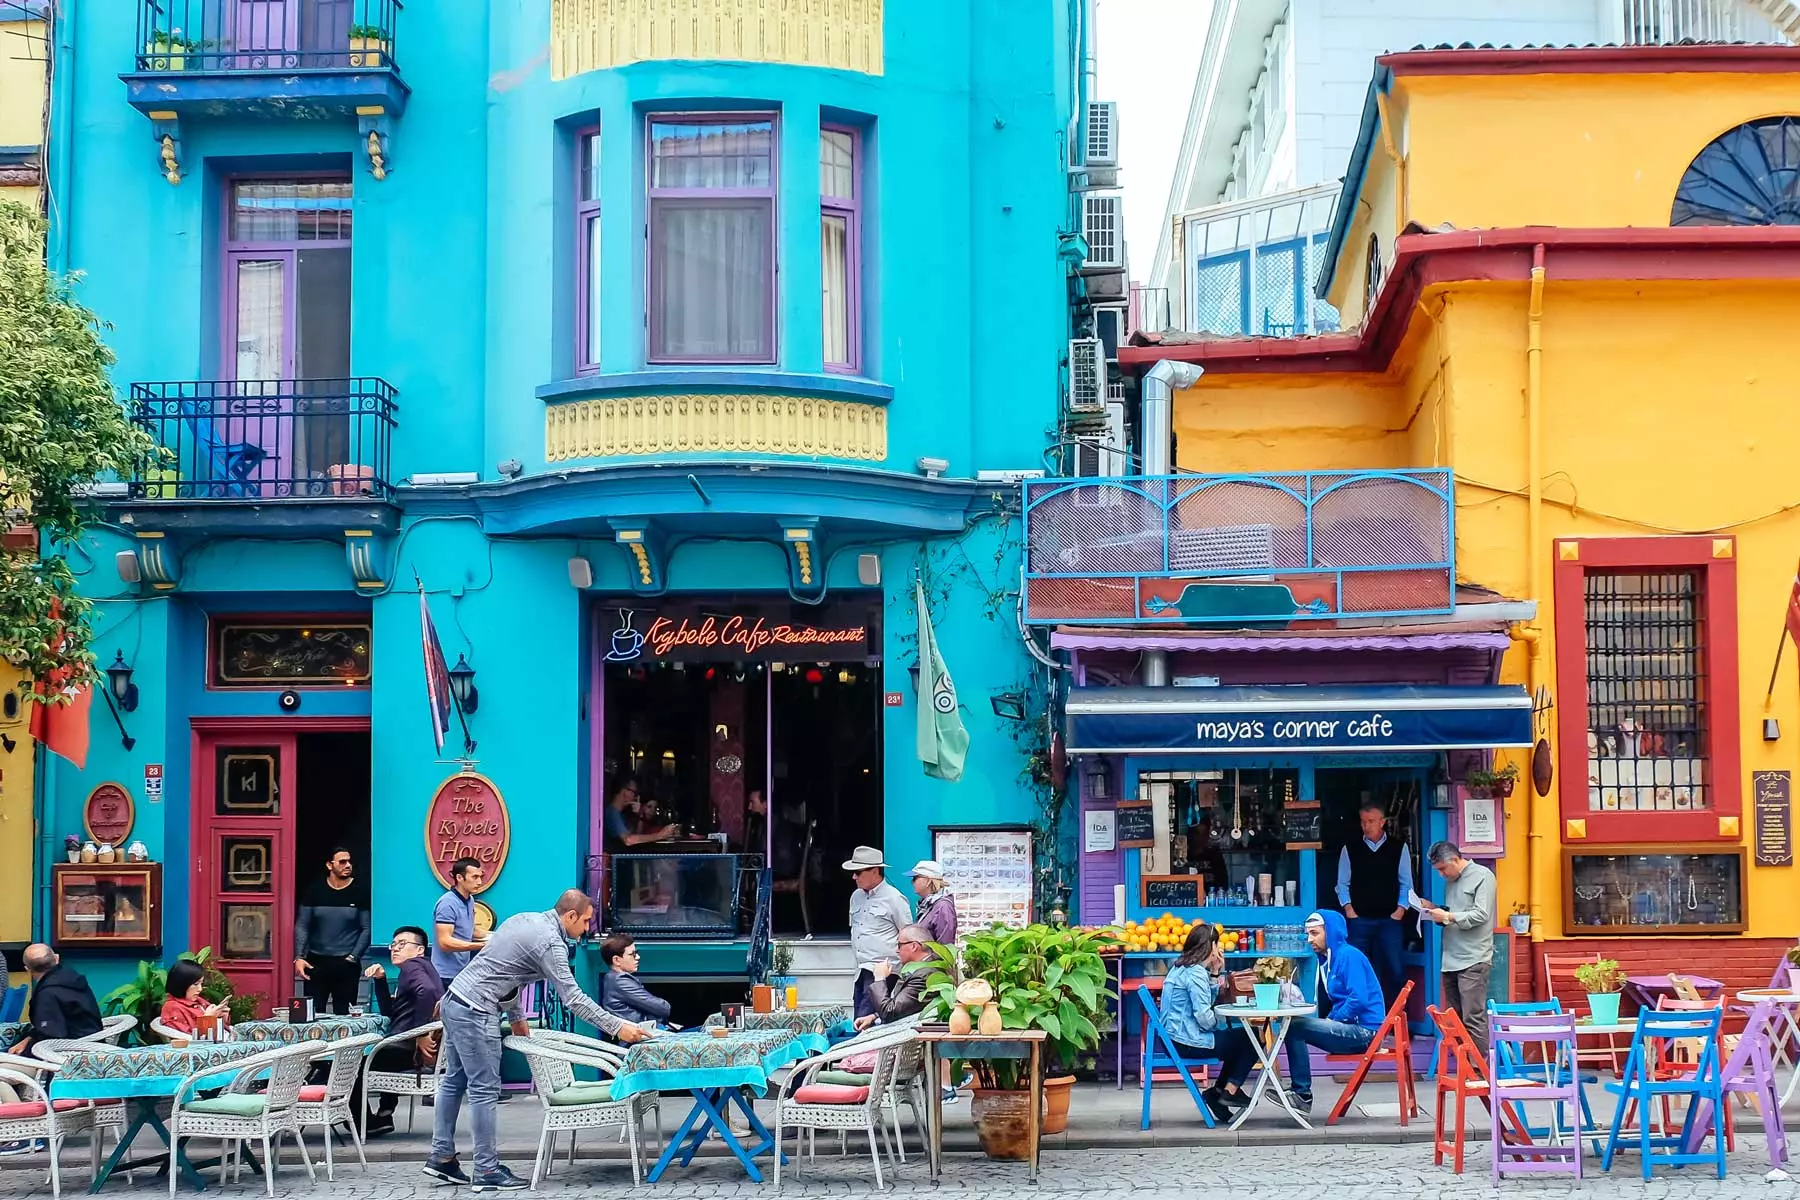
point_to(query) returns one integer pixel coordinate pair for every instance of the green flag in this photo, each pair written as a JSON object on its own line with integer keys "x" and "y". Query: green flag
{"x": 943, "y": 742}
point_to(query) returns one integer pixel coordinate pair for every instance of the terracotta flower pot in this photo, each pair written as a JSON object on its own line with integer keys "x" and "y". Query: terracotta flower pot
{"x": 1003, "y": 1123}
{"x": 1056, "y": 1103}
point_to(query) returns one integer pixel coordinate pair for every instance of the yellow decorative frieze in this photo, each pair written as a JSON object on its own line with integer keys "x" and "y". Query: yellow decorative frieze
{"x": 589, "y": 35}
{"x": 705, "y": 424}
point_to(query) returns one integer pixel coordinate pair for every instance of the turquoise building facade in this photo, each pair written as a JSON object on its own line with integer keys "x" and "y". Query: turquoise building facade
{"x": 561, "y": 315}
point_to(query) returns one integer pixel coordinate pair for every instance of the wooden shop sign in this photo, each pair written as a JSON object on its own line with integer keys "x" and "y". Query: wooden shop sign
{"x": 1773, "y": 791}
{"x": 467, "y": 819}
{"x": 109, "y": 814}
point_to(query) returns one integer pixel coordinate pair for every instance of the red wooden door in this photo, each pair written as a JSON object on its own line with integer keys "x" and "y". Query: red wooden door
{"x": 243, "y": 893}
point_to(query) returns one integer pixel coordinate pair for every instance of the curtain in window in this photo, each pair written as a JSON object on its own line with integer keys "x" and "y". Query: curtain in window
{"x": 834, "y": 256}
{"x": 713, "y": 282}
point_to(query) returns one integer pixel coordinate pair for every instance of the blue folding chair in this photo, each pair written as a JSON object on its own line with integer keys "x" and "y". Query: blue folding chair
{"x": 1704, "y": 1088}
{"x": 1161, "y": 1053}
{"x": 1512, "y": 1059}
{"x": 224, "y": 469}
{"x": 12, "y": 1003}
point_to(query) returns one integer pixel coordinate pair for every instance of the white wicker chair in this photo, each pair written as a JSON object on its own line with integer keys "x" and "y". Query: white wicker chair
{"x": 582, "y": 1104}
{"x": 238, "y": 1115}
{"x": 112, "y": 1029}
{"x": 36, "y": 1118}
{"x": 863, "y": 1113}
{"x": 409, "y": 1084}
{"x": 649, "y": 1103}
{"x": 110, "y": 1116}
{"x": 327, "y": 1105}
{"x": 908, "y": 1085}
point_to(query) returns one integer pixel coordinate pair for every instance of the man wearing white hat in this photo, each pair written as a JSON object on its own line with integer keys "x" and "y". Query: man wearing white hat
{"x": 877, "y": 914}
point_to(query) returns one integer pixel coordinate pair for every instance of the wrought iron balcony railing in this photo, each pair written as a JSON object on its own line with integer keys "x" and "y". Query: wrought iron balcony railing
{"x": 267, "y": 35}
{"x": 1240, "y": 550}
{"x": 266, "y": 439}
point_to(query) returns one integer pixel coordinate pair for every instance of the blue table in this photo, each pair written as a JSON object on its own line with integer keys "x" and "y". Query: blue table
{"x": 714, "y": 1071}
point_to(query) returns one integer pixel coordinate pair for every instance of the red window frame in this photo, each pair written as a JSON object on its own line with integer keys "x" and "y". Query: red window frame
{"x": 1714, "y": 559}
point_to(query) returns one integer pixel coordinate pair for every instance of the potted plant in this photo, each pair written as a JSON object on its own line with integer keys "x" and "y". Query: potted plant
{"x": 370, "y": 46}
{"x": 1271, "y": 972}
{"x": 1493, "y": 783}
{"x": 1602, "y": 980}
{"x": 1793, "y": 968}
{"x": 72, "y": 848}
{"x": 781, "y": 970}
{"x": 1046, "y": 978}
{"x": 166, "y": 50}
{"x": 142, "y": 996}
{"x": 1521, "y": 919}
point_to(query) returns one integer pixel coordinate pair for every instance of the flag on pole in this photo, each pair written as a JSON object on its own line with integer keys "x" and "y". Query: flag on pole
{"x": 943, "y": 742}
{"x": 62, "y": 728}
{"x": 437, "y": 675}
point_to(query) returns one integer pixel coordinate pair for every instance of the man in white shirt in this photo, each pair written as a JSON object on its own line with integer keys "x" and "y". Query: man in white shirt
{"x": 878, "y": 912}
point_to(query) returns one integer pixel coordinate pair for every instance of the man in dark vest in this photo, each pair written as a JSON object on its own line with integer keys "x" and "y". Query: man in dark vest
{"x": 1374, "y": 879}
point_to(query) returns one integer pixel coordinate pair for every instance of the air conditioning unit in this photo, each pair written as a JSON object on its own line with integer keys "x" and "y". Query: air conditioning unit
{"x": 1087, "y": 376}
{"x": 1103, "y": 225}
{"x": 1102, "y": 148}
{"x": 1109, "y": 327}
{"x": 1103, "y": 454}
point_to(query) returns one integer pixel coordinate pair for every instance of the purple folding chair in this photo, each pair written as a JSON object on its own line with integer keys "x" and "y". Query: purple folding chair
{"x": 1751, "y": 1070}
{"x": 1557, "y": 1079}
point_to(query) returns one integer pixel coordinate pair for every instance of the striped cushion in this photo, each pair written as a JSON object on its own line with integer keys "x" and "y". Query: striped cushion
{"x": 25, "y": 1110}
{"x": 831, "y": 1093}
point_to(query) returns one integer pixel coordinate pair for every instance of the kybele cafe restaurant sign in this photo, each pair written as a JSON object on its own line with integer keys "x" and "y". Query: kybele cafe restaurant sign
{"x": 1294, "y": 719}
{"x": 836, "y": 631}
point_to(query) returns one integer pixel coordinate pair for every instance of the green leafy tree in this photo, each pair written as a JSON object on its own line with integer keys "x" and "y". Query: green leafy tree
{"x": 61, "y": 428}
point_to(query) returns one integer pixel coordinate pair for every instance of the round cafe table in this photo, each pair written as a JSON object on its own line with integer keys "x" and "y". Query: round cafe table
{"x": 1267, "y": 1028}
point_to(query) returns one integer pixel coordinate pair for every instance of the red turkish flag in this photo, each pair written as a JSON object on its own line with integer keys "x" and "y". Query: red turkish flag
{"x": 1793, "y": 611}
{"x": 62, "y": 728}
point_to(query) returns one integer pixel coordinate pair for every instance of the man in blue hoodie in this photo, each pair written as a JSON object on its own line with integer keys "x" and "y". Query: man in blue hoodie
{"x": 1350, "y": 1007}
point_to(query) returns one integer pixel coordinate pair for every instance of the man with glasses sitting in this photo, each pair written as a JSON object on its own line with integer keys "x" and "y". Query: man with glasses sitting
{"x": 412, "y": 1004}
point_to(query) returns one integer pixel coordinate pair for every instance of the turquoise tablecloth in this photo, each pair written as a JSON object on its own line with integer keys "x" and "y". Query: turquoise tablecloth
{"x": 325, "y": 1029}
{"x": 113, "y": 1073}
{"x": 683, "y": 1061}
{"x": 10, "y": 1032}
{"x": 822, "y": 1022}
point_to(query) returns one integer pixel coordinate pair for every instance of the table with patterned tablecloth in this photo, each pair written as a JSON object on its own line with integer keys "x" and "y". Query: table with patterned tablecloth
{"x": 10, "y": 1032}
{"x": 325, "y": 1029}
{"x": 823, "y": 1022}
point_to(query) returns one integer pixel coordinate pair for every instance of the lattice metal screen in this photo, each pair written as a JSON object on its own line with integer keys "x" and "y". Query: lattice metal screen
{"x": 1646, "y": 683}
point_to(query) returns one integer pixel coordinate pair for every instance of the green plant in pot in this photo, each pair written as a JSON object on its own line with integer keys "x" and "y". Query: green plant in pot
{"x": 1271, "y": 972}
{"x": 1793, "y": 967}
{"x": 1493, "y": 783}
{"x": 781, "y": 968}
{"x": 142, "y": 996}
{"x": 1052, "y": 979}
{"x": 1602, "y": 980}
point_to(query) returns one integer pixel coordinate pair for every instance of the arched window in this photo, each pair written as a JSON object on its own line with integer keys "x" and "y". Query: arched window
{"x": 1747, "y": 176}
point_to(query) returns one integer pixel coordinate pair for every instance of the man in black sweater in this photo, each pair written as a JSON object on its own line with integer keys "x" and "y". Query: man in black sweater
{"x": 412, "y": 1004}
{"x": 331, "y": 935}
{"x": 62, "y": 1006}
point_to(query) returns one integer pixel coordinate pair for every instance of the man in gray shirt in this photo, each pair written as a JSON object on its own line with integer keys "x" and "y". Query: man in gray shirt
{"x": 1467, "y": 916}
{"x": 525, "y": 949}
{"x": 877, "y": 914}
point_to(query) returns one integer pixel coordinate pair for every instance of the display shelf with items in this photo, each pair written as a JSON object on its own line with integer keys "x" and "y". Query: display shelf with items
{"x": 113, "y": 906}
{"x": 1635, "y": 890}
{"x": 1238, "y": 831}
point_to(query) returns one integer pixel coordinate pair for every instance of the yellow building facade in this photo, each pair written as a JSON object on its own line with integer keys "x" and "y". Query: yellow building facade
{"x": 1573, "y": 282}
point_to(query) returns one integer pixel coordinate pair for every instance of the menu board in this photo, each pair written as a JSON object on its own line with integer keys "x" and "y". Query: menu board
{"x": 1773, "y": 792}
{"x": 1160, "y": 893}
{"x": 1137, "y": 824}
{"x": 1300, "y": 828}
{"x": 988, "y": 870}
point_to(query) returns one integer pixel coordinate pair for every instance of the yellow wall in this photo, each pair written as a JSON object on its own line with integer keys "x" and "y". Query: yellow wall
{"x": 22, "y": 62}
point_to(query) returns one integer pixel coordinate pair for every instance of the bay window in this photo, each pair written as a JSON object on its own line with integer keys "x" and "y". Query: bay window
{"x": 711, "y": 238}
{"x": 840, "y": 233}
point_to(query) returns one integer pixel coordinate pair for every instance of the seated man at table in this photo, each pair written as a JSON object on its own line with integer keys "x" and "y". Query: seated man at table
{"x": 621, "y": 992}
{"x": 1350, "y": 1009}
{"x": 62, "y": 1006}
{"x": 415, "y": 1003}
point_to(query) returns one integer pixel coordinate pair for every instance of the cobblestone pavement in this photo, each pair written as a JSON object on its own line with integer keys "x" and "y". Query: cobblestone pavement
{"x": 1361, "y": 1172}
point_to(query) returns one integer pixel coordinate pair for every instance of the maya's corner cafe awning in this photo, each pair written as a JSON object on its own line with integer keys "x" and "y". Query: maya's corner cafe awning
{"x": 1285, "y": 720}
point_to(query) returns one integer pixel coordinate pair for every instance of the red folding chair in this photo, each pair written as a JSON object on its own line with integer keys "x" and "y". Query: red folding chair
{"x": 1390, "y": 1041}
{"x": 1461, "y": 1072}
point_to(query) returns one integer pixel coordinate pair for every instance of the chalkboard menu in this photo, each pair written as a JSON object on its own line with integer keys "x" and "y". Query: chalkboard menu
{"x": 1774, "y": 818}
{"x": 1300, "y": 828}
{"x": 1158, "y": 893}
{"x": 1137, "y": 824}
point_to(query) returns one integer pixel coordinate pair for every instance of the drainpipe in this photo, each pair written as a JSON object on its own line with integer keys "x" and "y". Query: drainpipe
{"x": 1395, "y": 157}
{"x": 1158, "y": 434}
{"x": 1533, "y": 634}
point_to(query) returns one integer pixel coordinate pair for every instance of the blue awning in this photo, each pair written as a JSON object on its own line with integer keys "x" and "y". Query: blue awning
{"x": 1300, "y": 719}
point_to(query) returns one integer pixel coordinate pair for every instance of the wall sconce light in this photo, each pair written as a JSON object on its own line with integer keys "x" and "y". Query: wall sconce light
{"x": 1771, "y": 729}
{"x": 462, "y": 685}
{"x": 1099, "y": 782}
{"x": 118, "y": 678}
{"x": 1009, "y": 706}
{"x": 1440, "y": 789}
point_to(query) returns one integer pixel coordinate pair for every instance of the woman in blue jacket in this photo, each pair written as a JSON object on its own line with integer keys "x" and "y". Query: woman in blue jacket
{"x": 1189, "y": 992}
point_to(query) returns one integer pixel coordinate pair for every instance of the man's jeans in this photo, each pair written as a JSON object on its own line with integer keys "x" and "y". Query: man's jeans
{"x": 1382, "y": 938}
{"x": 1333, "y": 1037}
{"x": 472, "y": 1042}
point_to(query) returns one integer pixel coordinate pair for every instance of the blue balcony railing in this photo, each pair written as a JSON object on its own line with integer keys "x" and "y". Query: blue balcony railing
{"x": 301, "y": 439}
{"x": 1239, "y": 550}
{"x": 266, "y": 35}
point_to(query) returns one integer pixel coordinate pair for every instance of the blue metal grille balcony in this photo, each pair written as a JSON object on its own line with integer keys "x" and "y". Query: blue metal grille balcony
{"x": 303, "y": 439}
{"x": 1240, "y": 550}
{"x": 267, "y": 35}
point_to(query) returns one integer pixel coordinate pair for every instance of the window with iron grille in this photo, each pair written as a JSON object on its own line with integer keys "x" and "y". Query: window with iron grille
{"x": 1646, "y": 684}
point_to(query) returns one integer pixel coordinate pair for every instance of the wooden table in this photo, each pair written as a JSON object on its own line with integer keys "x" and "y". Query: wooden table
{"x": 1027, "y": 1044}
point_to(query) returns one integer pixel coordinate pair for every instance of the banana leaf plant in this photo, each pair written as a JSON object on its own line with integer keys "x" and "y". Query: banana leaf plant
{"x": 1044, "y": 977}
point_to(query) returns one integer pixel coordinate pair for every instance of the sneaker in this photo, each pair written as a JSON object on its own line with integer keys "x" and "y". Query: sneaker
{"x": 968, "y": 1081}
{"x": 1215, "y": 1104}
{"x": 446, "y": 1171}
{"x": 10, "y": 1149}
{"x": 1231, "y": 1100}
{"x": 379, "y": 1126}
{"x": 498, "y": 1180}
{"x": 1302, "y": 1102}
{"x": 948, "y": 1096}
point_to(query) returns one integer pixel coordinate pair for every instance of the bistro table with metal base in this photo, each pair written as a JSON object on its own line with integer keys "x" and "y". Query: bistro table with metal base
{"x": 1026, "y": 1044}
{"x": 1267, "y": 1042}
{"x": 711, "y": 1107}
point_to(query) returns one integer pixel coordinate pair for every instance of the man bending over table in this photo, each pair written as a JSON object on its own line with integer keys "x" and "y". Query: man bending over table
{"x": 525, "y": 949}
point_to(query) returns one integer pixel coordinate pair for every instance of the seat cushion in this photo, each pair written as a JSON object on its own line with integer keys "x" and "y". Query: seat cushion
{"x": 25, "y": 1110}
{"x": 584, "y": 1091}
{"x": 831, "y": 1093}
{"x": 232, "y": 1104}
{"x": 313, "y": 1093}
{"x": 843, "y": 1078}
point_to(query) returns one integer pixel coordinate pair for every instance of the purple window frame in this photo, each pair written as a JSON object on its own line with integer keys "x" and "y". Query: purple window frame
{"x": 587, "y": 215}
{"x": 653, "y": 194}
{"x": 849, "y": 208}
{"x": 232, "y": 251}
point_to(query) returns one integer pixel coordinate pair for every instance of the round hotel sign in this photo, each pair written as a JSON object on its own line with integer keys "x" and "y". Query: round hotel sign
{"x": 467, "y": 819}
{"x": 109, "y": 814}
